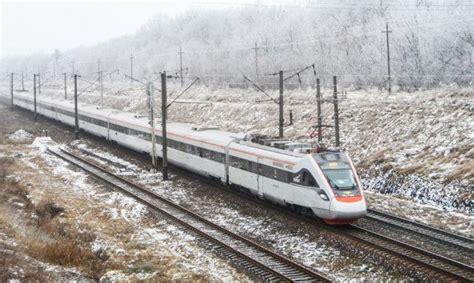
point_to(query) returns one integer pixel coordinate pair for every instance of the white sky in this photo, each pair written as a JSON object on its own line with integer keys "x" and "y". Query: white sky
{"x": 42, "y": 26}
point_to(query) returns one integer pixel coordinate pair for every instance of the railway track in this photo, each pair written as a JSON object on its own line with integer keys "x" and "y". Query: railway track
{"x": 255, "y": 259}
{"x": 421, "y": 260}
{"x": 275, "y": 267}
{"x": 436, "y": 266}
{"x": 452, "y": 245}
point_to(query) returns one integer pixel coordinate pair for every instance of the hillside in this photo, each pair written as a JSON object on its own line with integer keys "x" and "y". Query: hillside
{"x": 416, "y": 146}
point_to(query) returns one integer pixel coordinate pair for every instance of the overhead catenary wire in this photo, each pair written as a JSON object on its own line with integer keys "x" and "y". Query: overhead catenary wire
{"x": 182, "y": 92}
{"x": 260, "y": 89}
{"x": 87, "y": 88}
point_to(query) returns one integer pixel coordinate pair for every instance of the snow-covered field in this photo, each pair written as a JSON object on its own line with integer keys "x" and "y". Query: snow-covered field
{"x": 125, "y": 239}
{"x": 130, "y": 229}
{"x": 416, "y": 146}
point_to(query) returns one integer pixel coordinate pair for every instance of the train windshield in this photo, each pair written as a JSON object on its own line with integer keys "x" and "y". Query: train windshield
{"x": 341, "y": 179}
{"x": 336, "y": 168}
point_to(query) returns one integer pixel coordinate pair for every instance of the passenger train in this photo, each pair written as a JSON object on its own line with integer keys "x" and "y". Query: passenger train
{"x": 290, "y": 174}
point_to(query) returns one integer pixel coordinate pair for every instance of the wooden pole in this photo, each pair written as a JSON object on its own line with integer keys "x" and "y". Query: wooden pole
{"x": 34, "y": 95}
{"x": 65, "y": 86}
{"x": 164, "y": 106}
{"x": 11, "y": 89}
{"x": 318, "y": 103}
{"x": 336, "y": 112}
{"x": 281, "y": 119}
{"x": 76, "y": 114}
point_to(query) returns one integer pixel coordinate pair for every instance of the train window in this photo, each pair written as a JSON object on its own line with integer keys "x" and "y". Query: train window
{"x": 220, "y": 157}
{"x": 283, "y": 176}
{"x": 244, "y": 164}
{"x": 212, "y": 155}
{"x": 190, "y": 149}
{"x": 158, "y": 139}
{"x": 233, "y": 161}
{"x": 266, "y": 171}
{"x": 237, "y": 162}
{"x": 297, "y": 178}
{"x": 253, "y": 167}
{"x": 304, "y": 178}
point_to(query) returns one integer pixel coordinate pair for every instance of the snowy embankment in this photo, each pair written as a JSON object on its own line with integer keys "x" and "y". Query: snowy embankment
{"x": 112, "y": 237}
{"x": 413, "y": 145}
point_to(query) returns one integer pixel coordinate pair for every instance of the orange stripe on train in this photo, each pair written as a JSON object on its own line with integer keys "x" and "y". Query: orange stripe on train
{"x": 349, "y": 199}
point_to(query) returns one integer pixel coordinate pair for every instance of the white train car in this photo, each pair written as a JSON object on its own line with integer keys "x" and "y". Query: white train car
{"x": 325, "y": 183}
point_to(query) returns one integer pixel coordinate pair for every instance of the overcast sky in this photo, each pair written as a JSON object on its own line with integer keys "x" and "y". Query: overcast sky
{"x": 42, "y": 26}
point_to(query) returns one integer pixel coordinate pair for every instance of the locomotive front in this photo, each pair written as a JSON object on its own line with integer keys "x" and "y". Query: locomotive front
{"x": 342, "y": 186}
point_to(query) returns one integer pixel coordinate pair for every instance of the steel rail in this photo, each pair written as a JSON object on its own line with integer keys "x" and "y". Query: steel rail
{"x": 455, "y": 240}
{"x": 451, "y": 269}
{"x": 252, "y": 257}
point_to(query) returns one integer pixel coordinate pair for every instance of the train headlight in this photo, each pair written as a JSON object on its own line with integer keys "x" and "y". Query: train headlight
{"x": 323, "y": 195}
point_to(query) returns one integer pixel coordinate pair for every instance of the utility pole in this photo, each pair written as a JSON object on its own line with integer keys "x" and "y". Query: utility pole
{"x": 131, "y": 69}
{"x": 11, "y": 88}
{"x": 39, "y": 84}
{"x": 318, "y": 103}
{"x": 76, "y": 116}
{"x": 22, "y": 82}
{"x": 256, "y": 61}
{"x": 181, "y": 65}
{"x": 151, "y": 117}
{"x": 65, "y": 86}
{"x": 34, "y": 94}
{"x": 336, "y": 111}
{"x": 100, "y": 78}
{"x": 164, "y": 106}
{"x": 388, "y": 59}
{"x": 280, "y": 128}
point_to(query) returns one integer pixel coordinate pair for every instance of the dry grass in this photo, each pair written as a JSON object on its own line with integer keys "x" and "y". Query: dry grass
{"x": 5, "y": 164}
{"x": 42, "y": 233}
{"x": 411, "y": 169}
{"x": 62, "y": 252}
{"x": 465, "y": 171}
{"x": 379, "y": 158}
{"x": 47, "y": 210}
{"x": 68, "y": 247}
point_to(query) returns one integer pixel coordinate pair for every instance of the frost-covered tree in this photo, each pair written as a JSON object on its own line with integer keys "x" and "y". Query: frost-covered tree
{"x": 431, "y": 43}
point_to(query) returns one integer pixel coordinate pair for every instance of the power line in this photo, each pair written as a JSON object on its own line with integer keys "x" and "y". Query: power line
{"x": 337, "y": 6}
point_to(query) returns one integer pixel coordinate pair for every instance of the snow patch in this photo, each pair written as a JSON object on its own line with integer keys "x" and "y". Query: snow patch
{"x": 20, "y": 135}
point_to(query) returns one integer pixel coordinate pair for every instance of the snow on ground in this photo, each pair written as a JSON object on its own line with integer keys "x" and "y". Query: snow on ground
{"x": 412, "y": 145}
{"x": 424, "y": 136}
{"x": 310, "y": 248}
{"x": 452, "y": 221}
{"x": 133, "y": 243}
{"x": 20, "y": 136}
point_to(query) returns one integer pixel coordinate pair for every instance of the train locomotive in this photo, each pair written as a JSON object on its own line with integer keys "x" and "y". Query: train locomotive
{"x": 291, "y": 174}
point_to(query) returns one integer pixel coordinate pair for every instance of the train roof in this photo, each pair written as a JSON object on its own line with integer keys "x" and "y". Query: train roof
{"x": 211, "y": 136}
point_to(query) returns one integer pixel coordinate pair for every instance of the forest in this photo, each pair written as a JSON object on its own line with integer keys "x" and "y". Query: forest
{"x": 431, "y": 44}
